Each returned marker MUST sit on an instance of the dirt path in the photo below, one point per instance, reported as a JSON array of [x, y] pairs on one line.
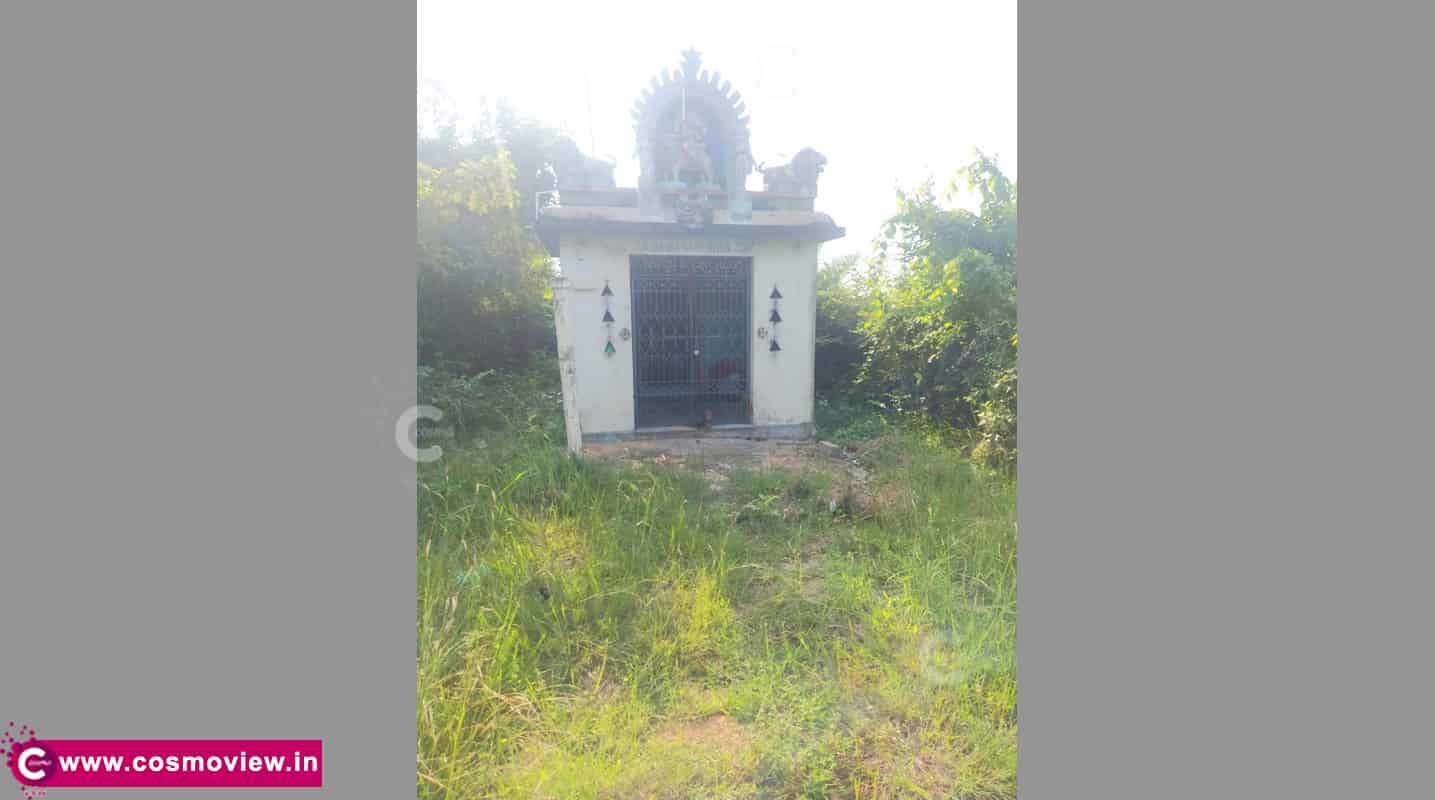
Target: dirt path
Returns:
[[716, 458]]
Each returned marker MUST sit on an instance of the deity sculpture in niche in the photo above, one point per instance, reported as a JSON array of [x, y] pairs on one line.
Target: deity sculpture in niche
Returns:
[[688, 151], [692, 138]]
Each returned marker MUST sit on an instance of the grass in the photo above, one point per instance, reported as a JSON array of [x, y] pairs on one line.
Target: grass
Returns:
[[586, 631]]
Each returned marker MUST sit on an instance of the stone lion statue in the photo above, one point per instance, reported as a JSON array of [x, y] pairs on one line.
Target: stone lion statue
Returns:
[[798, 176], [578, 171]]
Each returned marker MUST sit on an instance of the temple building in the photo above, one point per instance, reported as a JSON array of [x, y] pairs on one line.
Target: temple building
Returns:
[[686, 305]]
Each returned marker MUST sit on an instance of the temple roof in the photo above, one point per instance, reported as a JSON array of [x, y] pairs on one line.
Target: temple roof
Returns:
[[694, 157], [812, 226]]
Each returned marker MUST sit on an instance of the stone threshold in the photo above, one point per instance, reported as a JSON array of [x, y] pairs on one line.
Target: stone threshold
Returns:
[[798, 432]]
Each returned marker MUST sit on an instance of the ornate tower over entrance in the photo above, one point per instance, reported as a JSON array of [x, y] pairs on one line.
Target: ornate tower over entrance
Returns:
[[692, 142], [686, 305]]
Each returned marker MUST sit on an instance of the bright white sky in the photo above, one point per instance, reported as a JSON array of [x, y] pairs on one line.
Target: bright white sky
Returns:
[[890, 93]]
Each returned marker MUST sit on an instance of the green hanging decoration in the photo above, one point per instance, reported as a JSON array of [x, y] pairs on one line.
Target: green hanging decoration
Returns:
[[609, 349]]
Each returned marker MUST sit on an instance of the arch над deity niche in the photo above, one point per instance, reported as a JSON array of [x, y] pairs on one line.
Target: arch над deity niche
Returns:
[[692, 133]]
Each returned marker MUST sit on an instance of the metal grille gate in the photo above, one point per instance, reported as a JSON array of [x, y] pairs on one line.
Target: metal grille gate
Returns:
[[690, 340]]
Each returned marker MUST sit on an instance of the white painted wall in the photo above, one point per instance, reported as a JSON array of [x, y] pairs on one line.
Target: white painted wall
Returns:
[[604, 383], [782, 387], [568, 368], [782, 382]]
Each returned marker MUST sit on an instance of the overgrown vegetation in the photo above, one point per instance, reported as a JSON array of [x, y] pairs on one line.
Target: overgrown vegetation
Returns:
[[483, 276], [592, 630], [933, 339], [525, 402], [587, 631], [925, 329]]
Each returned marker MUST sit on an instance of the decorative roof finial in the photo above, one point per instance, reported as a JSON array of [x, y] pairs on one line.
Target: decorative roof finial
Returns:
[[692, 62]]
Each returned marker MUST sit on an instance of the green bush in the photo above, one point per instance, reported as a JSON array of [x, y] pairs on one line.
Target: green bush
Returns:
[[839, 343], [940, 329], [483, 276], [526, 402], [845, 418]]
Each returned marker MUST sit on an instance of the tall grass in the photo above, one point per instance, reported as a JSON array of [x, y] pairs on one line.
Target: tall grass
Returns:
[[587, 631]]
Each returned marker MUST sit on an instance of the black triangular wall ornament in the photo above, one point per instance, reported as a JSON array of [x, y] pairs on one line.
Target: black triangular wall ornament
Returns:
[[607, 291], [607, 315], [773, 348], [776, 317], [776, 295]]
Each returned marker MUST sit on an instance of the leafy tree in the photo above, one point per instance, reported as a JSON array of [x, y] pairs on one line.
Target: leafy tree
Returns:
[[941, 330], [483, 276], [839, 343]]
